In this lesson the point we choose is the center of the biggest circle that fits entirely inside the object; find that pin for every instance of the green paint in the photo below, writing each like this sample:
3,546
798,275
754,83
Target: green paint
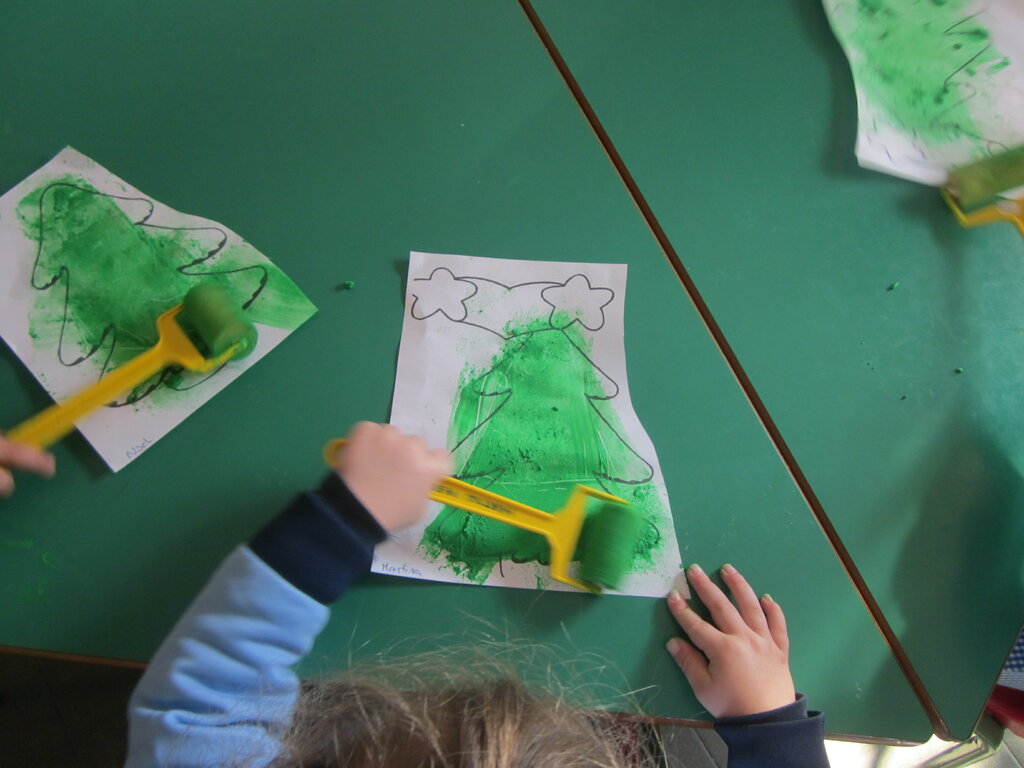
917,60
115,274
976,183
19,543
531,427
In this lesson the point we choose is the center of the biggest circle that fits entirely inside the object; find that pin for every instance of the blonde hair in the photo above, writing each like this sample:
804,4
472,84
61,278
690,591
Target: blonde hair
455,709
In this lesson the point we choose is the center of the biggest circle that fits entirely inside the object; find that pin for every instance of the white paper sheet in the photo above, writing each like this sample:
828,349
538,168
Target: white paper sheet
938,84
518,368
87,261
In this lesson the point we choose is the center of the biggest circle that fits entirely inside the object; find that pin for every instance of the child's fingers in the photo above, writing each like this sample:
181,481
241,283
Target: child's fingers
361,428
723,612
441,461
432,463
436,462
692,662
703,634
6,483
747,602
26,457
776,623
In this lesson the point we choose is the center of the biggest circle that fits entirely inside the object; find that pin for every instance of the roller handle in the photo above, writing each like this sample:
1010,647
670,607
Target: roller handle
172,347
1011,210
49,426
470,498
562,530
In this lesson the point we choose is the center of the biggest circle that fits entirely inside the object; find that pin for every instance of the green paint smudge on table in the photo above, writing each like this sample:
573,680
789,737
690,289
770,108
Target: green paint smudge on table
918,58
532,426
103,274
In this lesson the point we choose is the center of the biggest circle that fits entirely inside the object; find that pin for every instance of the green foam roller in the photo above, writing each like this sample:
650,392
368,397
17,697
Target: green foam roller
980,181
209,313
611,535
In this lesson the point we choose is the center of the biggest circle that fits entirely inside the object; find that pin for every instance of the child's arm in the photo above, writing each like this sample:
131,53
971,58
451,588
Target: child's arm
24,457
738,666
220,690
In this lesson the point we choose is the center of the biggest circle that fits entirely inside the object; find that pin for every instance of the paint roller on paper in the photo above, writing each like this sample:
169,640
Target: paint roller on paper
973,191
204,331
603,542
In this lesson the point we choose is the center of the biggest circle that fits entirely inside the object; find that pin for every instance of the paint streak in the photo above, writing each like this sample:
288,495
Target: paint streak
104,272
530,427
923,62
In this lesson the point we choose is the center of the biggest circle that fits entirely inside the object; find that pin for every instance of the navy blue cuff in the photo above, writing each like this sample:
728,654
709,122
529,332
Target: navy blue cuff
783,737
322,541
334,491
795,711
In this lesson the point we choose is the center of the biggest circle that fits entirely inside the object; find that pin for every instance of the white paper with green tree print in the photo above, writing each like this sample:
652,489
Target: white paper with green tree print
518,368
939,84
88,262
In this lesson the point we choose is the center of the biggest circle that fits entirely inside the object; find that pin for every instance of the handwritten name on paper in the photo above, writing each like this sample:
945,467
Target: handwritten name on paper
138,448
400,570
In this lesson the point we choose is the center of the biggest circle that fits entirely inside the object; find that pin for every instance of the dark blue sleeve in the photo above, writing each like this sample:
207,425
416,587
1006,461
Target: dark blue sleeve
322,541
787,737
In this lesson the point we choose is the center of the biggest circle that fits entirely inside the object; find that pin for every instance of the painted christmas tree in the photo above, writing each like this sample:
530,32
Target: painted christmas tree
104,271
534,424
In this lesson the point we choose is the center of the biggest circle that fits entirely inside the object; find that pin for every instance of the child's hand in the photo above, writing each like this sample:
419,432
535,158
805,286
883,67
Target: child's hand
21,456
740,664
390,473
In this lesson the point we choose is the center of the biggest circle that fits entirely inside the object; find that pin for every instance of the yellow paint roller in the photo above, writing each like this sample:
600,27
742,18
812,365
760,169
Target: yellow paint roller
972,191
612,530
207,313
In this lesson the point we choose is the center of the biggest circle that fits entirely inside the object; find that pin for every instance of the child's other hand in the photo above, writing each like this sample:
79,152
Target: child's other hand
390,473
739,665
21,456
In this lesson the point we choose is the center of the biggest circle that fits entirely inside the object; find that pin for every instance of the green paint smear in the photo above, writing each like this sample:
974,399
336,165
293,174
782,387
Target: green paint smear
531,427
918,60
102,276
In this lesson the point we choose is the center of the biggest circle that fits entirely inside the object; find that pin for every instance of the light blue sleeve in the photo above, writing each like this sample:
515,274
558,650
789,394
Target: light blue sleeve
220,689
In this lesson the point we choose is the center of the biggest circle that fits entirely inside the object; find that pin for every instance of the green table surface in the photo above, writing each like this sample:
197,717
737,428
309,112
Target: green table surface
336,138
737,122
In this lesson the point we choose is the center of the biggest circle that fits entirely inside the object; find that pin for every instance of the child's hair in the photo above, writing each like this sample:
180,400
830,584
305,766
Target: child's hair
431,711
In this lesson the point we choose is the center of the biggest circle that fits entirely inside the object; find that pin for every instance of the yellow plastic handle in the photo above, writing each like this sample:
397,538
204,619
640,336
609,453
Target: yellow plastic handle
1010,210
172,347
562,529
457,493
